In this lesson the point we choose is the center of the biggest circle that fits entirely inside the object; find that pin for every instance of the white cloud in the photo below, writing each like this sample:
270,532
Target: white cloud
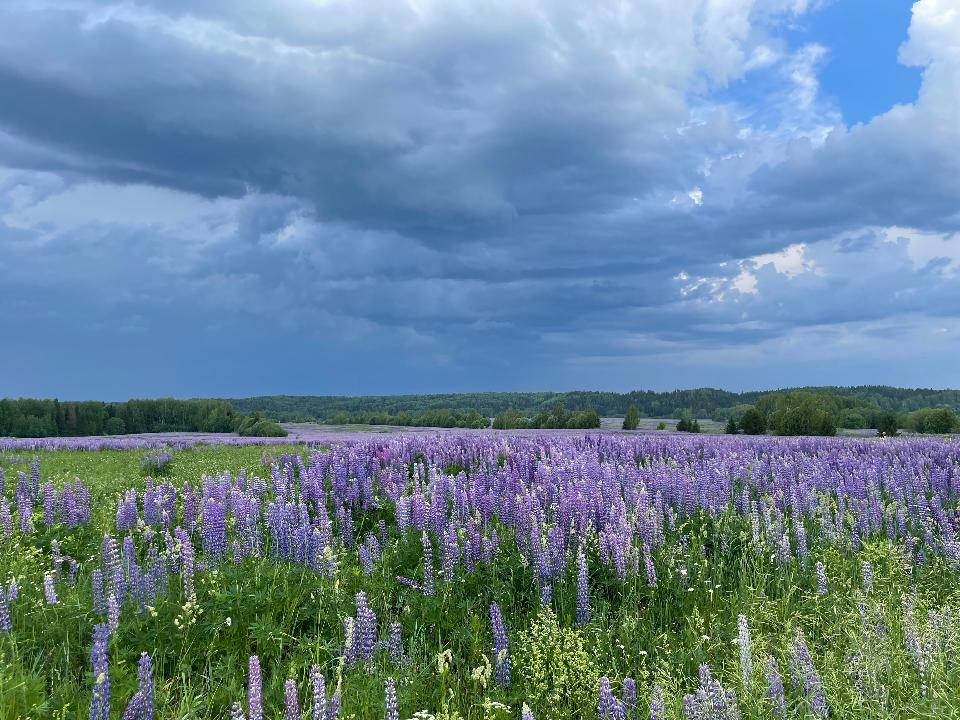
925,247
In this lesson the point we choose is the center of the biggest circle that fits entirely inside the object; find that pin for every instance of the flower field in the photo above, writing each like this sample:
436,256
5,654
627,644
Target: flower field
481,575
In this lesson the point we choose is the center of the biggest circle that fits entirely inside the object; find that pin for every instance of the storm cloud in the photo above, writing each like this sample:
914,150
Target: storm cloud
221,198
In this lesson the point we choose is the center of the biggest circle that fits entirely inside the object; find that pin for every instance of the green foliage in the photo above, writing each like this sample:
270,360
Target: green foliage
558,418
258,426
868,400
799,413
661,425
932,420
558,673
52,418
752,422
115,426
731,428
687,424
632,419
888,424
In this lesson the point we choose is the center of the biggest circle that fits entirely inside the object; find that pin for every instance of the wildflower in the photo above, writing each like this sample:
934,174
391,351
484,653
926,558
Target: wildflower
100,702
501,649
135,708
805,678
291,706
394,643
746,661
583,595
821,579
390,701
5,624
657,709
427,565
318,690
630,698
48,590
145,685
775,689
254,690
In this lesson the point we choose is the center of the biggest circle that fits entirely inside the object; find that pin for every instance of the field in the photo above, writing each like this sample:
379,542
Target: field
481,575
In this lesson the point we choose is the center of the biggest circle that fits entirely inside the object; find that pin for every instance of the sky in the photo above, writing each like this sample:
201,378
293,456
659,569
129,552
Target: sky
216,198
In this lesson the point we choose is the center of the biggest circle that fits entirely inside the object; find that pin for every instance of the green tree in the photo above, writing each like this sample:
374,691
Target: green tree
632,419
753,422
731,428
887,424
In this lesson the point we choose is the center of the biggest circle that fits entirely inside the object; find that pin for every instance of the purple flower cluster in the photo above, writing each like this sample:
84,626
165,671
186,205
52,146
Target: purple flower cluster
805,678
501,647
710,701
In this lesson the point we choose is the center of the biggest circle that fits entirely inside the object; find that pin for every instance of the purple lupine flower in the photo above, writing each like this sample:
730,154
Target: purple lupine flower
100,702
6,519
24,513
608,707
867,577
113,612
804,676
821,579
5,624
318,690
135,708
49,504
775,689
395,643
648,566
451,553
333,706
254,689
13,590
710,701
48,590
186,561
546,595
351,641
366,563
583,592
630,698
291,706
126,518
526,713
746,659
365,628
96,592
657,707
145,685
501,647
236,712
427,565
390,700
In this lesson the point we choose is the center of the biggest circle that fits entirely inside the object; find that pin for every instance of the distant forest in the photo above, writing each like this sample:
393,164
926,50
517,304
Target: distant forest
855,404
52,418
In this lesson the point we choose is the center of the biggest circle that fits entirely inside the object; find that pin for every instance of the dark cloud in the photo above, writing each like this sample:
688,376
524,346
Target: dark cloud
389,194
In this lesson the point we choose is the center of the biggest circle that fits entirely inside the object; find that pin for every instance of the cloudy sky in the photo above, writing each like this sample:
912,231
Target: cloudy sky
224,198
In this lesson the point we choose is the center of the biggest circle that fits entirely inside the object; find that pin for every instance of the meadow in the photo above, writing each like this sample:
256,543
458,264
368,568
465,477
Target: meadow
480,575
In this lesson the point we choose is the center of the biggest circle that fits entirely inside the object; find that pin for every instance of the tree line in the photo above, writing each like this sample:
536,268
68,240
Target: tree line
25,417
861,404
442,418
